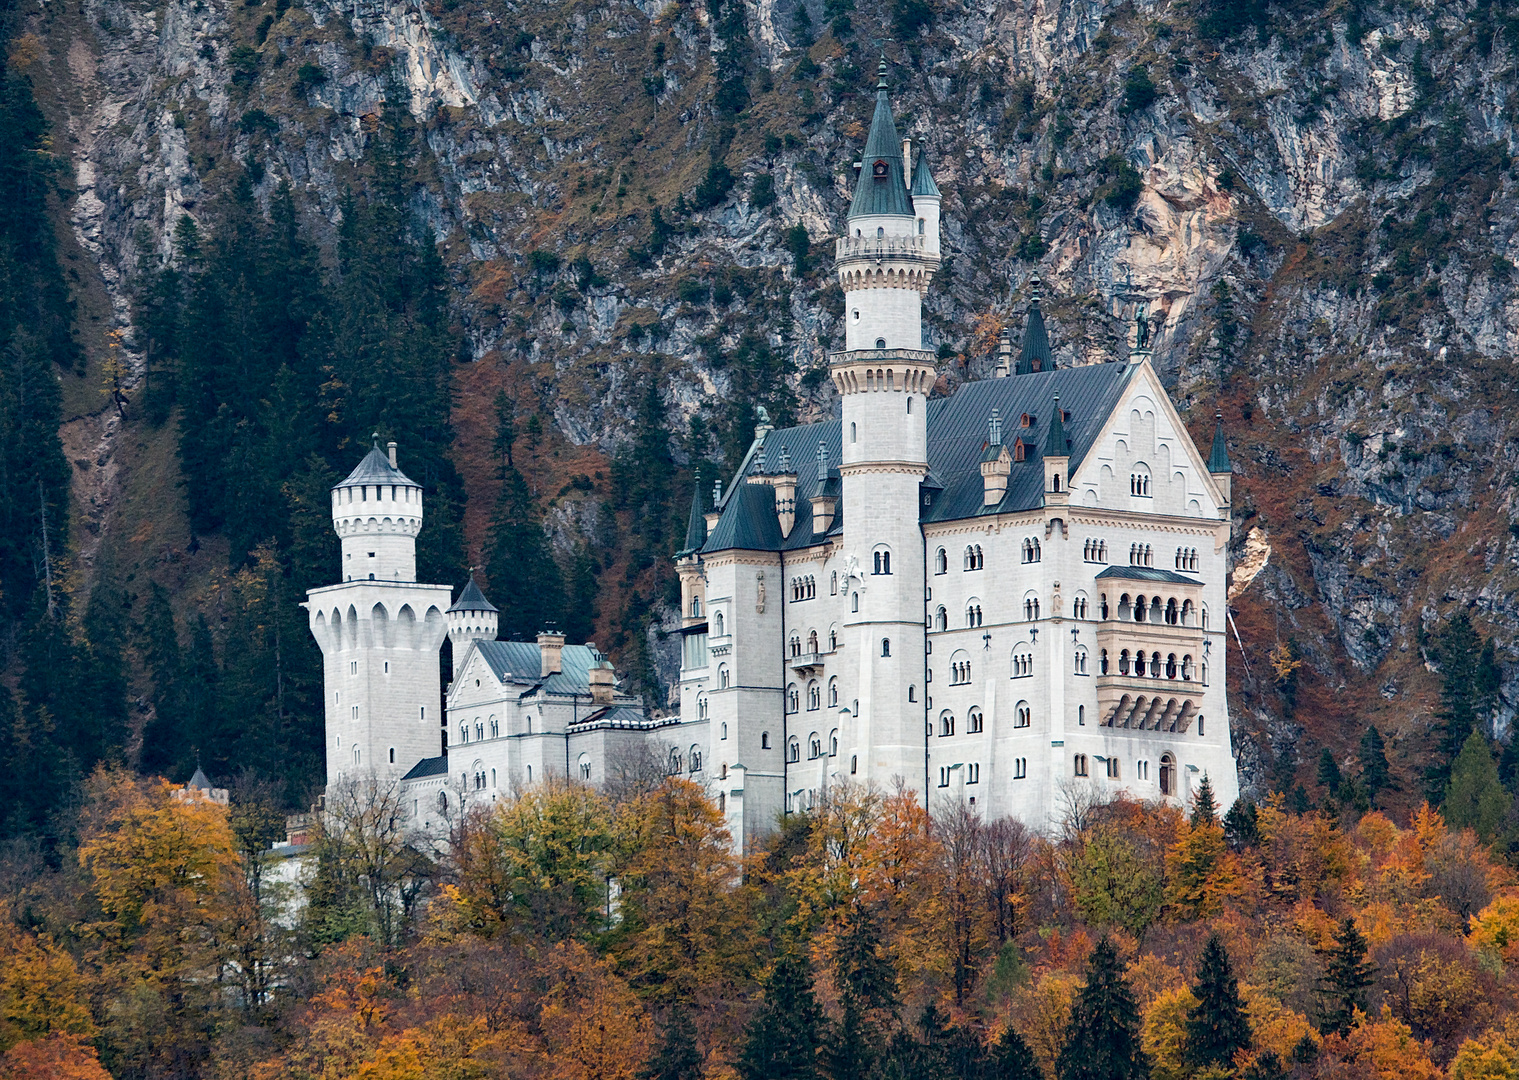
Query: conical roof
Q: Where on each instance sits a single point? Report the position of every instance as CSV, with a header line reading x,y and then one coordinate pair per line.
x,y
1218,459
376,469
923,180
882,184
1036,340
1055,442
472,599
696,527
200,782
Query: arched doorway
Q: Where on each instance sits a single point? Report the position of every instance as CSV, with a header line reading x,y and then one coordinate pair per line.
x,y
1167,775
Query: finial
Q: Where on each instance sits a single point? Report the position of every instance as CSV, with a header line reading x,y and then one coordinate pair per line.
x,y
881,72
1036,283
995,425
376,437
822,462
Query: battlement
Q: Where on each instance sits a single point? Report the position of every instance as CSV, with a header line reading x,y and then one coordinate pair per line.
x,y
880,248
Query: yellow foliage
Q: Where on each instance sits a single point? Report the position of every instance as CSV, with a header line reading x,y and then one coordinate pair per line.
x,y
1041,1012
41,990
1486,1057
1150,976
1164,1034
1382,1049
1496,927
1273,1026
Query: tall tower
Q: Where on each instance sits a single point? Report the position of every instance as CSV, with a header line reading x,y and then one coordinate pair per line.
x,y
885,262
379,630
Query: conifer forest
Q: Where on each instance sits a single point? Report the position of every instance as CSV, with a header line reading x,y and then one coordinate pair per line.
x,y
566,254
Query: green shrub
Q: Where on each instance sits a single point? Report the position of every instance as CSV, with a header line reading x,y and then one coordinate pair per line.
x,y
1138,90
543,263
762,191
309,76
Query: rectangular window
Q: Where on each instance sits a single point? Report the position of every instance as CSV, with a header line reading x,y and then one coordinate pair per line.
x,y
696,655
943,776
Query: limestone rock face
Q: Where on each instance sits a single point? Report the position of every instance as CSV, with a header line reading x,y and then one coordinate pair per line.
x,y
1321,217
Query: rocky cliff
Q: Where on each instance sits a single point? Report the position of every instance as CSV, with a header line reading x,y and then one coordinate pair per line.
x,y
1317,203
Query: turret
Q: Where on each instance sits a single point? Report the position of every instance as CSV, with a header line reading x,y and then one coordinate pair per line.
x,y
1036,355
1218,461
688,564
472,617
377,513
925,203
889,252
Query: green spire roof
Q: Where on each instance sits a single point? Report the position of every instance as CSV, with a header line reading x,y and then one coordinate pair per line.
x,y
1055,443
696,528
1036,340
923,179
882,185
1218,460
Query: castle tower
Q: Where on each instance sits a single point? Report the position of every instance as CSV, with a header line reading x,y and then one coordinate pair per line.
x,y
885,263
472,618
379,630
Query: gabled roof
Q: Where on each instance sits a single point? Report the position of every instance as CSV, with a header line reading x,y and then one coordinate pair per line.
x,y
518,663
957,443
1218,459
428,766
886,193
472,599
1147,573
376,469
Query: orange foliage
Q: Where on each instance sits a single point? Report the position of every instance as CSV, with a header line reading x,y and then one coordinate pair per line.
x,y
57,1057
1382,1049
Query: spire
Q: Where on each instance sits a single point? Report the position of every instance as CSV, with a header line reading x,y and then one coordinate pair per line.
x,y
994,426
696,528
923,180
822,462
1055,443
1218,459
1036,341
881,187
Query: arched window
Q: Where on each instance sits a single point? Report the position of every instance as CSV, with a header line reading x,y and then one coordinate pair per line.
x,y
463,734
852,433
1205,616
886,646
1188,612
793,749
723,735
833,583
693,759
795,645
443,802
764,740
946,723
941,618
833,638
1167,775
1171,666
921,226
1080,661
1023,661
1031,607
833,743
1030,550
722,676
833,692
959,668
585,766
880,343
1081,765
812,641
1103,663
701,706
1140,608
675,767
854,601
1023,716
941,562
717,624
1139,663
814,746
793,698
975,721
1123,662
1173,612
975,559
1139,481
973,613
814,697
882,560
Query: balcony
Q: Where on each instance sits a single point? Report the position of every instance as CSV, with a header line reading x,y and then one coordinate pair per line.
x,y
808,661
1145,704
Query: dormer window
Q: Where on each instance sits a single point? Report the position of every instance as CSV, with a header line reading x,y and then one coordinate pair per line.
x,y
879,170
1026,421
1018,451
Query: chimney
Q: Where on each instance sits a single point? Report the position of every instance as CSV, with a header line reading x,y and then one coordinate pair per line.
x,y
907,162
603,683
825,502
1005,354
716,513
392,454
996,463
550,645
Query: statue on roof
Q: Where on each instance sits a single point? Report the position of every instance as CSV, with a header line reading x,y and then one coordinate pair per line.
x,y
1142,326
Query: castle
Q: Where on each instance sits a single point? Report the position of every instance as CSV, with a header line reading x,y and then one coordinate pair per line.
x,y
1012,596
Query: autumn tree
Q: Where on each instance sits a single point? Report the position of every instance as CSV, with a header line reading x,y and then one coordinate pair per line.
x,y
1102,1038
1112,883
1217,1026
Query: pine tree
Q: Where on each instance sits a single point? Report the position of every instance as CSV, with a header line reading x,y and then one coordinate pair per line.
x,y
1475,798
1347,977
1469,684
1376,776
1102,1037
1204,805
867,996
1329,773
1217,1026
1011,1059
1242,825
163,738
676,1057
781,1041
523,577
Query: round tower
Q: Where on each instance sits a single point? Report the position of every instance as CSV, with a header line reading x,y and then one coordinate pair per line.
x,y
889,252
472,617
377,513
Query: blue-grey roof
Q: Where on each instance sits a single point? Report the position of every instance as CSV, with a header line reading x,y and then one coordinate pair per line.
x,y
1036,343
472,599
923,179
1218,457
376,469
696,527
886,193
428,766
200,782
1146,573
521,661
957,442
